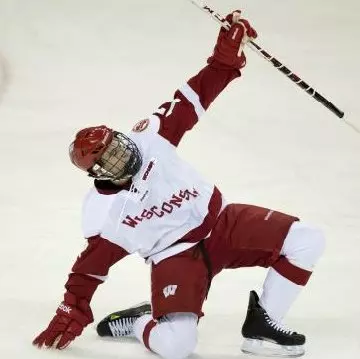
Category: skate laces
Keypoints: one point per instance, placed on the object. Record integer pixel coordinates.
(122, 327)
(278, 326)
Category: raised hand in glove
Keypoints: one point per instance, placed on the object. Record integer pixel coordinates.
(230, 43)
(72, 316)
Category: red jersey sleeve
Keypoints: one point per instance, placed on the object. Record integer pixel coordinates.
(92, 266)
(192, 100)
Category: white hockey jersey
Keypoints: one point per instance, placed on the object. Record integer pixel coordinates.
(169, 207)
(167, 201)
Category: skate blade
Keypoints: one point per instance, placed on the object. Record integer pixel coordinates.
(265, 348)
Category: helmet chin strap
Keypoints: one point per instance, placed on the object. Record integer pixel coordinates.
(101, 174)
(121, 181)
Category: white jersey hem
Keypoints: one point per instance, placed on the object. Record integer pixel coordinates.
(170, 252)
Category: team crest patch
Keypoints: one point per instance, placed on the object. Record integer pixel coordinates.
(141, 126)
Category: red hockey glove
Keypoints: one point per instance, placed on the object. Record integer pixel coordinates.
(72, 316)
(230, 43)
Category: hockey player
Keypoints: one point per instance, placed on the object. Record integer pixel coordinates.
(146, 199)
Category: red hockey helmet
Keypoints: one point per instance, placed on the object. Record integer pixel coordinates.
(89, 145)
(105, 154)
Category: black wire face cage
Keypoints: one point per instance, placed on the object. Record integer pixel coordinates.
(121, 160)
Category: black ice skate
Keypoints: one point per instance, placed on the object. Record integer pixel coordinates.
(264, 336)
(120, 324)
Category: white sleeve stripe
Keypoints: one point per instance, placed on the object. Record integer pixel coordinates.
(154, 123)
(100, 277)
(193, 97)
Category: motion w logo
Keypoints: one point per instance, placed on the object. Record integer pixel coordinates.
(169, 290)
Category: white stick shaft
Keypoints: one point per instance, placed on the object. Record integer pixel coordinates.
(216, 16)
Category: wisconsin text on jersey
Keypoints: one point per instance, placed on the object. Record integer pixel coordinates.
(167, 207)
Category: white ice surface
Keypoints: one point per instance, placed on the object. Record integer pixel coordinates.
(72, 63)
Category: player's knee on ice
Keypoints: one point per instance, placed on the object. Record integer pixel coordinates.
(175, 338)
(304, 245)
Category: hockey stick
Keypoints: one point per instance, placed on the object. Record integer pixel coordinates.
(281, 67)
